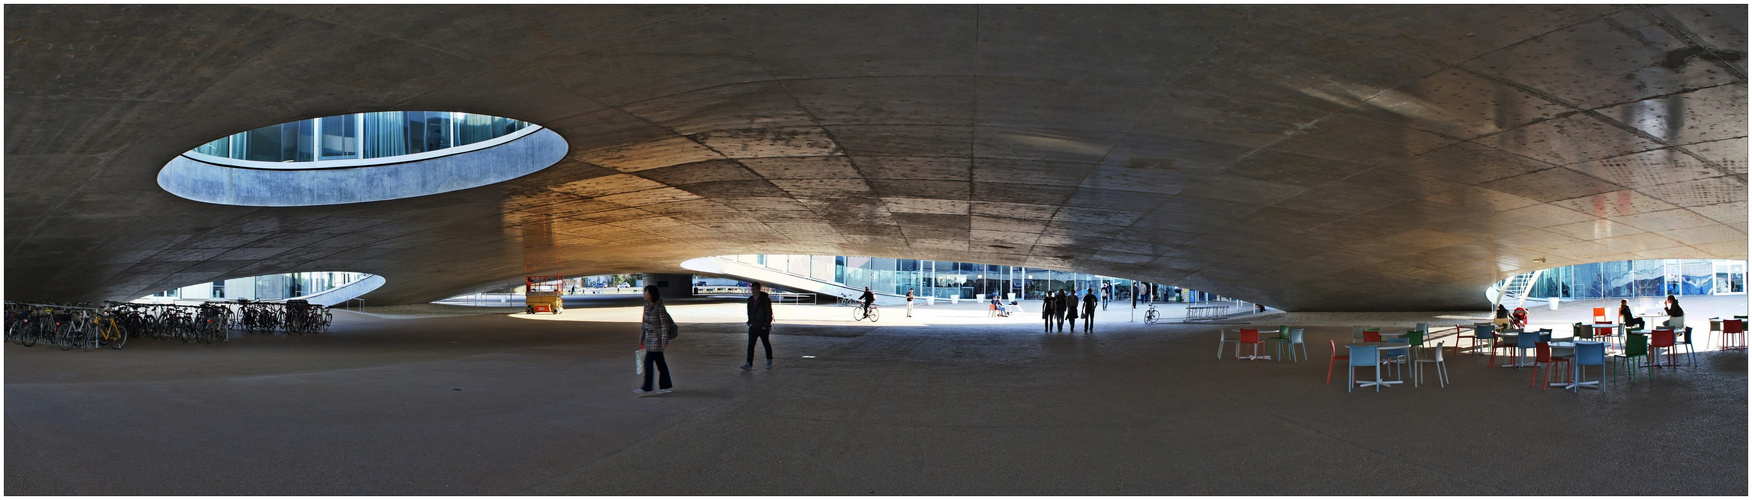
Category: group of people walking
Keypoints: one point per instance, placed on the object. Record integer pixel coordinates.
(657, 328)
(1059, 308)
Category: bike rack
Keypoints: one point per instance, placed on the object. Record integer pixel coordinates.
(349, 305)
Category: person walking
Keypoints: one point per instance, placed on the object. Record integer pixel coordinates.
(655, 331)
(1047, 307)
(1106, 294)
(760, 324)
(909, 297)
(1058, 314)
(1071, 310)
(1089, 312)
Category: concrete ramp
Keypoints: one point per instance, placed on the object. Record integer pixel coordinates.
(345, 292)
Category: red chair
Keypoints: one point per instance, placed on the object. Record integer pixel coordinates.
(1600, 315)
(1542, 356)
(1335, 358)
(1371, 335)
(1607, 332)
(1250, 336)
(1733, 328)
(1664, 338)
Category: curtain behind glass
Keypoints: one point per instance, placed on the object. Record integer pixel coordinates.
(384, 134)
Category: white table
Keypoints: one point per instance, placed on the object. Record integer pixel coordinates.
(1519, 348)
(1383, 348)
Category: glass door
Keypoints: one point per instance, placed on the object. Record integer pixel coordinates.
(1730, 277)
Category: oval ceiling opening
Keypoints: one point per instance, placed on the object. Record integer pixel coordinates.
(361, 157)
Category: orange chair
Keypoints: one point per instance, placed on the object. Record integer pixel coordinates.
(1250, 336)
(1600, 315)
(1335, 358)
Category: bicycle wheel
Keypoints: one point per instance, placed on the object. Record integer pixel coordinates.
(874, 314)
(858, 314)
(117, 337)
(64, 337)
(1150, 316)
(29, 336)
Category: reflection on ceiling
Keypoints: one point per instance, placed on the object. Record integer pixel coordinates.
(1304, 157)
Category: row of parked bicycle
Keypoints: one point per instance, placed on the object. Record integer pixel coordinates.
(86, 327)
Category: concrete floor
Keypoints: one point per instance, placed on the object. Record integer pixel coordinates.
(946, 403)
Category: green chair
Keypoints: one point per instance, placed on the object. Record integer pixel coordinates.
(1636, 345)
(1282, 339)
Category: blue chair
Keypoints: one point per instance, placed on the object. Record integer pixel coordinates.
(1398, 358)
(1481, 332)
(1590, 354)
(1364, 356)
(1296, 340)
(1690, 349)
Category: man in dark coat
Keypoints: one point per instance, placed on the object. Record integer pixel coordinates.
(1048, 307)
(1071, 309)
(760, 324)
(1089, 312)
(1064, 304)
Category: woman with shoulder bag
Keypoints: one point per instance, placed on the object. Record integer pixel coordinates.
(655, 332)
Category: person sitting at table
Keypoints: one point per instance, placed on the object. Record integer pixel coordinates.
(1627, 318)
(1676, 315)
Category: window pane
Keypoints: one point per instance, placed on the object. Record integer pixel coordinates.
(415, 128)
(437, 130)
(264, 144)
(304, 140)
(340, 136)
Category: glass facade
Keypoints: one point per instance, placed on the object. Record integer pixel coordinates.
(265, 287)
(1642, 278)
(361, 136)
(944, 279)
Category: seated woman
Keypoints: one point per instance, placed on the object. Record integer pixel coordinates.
(1627, 318)
(1676, 315)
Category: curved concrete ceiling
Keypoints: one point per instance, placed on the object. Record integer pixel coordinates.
(1306, 157)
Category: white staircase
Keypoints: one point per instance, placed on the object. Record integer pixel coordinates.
(1513, 290)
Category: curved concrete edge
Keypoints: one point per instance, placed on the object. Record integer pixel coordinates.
(345, 292)
(226, 185)
(714, 265)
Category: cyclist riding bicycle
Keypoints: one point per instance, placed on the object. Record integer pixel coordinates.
(868, 298)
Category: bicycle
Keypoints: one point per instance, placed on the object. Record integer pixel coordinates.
(871, 313)
(845, 301)
(110, 333)
(1151, 316)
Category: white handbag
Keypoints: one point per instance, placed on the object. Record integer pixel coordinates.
(639, 361)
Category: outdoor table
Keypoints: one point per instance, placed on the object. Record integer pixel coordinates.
(1384, 347)
(1520, 348)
